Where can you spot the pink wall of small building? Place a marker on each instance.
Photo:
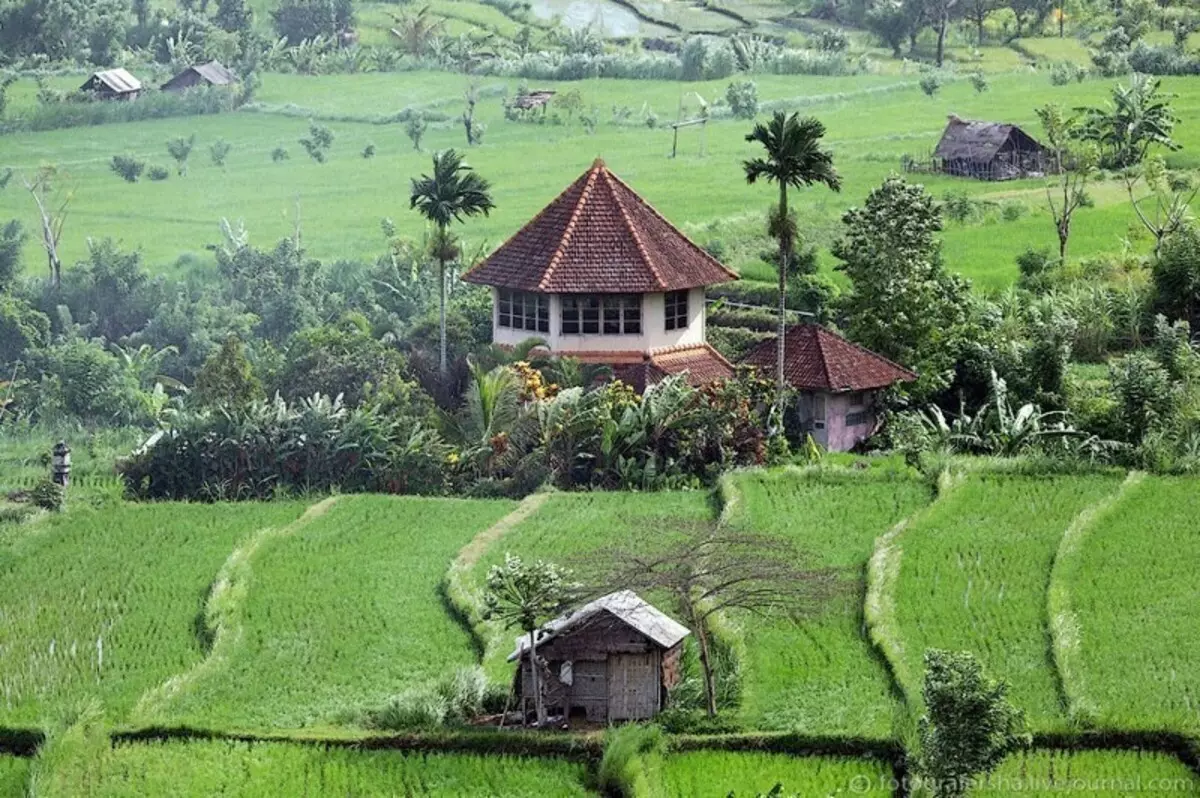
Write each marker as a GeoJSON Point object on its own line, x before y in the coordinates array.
{"type": "Point", "coordinates": [838, 435]}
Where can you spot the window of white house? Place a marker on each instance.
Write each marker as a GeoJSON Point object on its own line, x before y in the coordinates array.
{"type": "Point", "coordinates": [603, 314]}
{"type": "Point", "coordinates": [856, 399]}
{"type": "Point", "coordinates": [856, 419]}
{"type": "Point", "coordinates": [521, 310]}
{"type": "Point", "coordinates": [818, 411]}
{"type": "Point", "coordinates": [676, 307]}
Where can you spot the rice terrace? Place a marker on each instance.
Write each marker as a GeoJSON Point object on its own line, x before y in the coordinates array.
{"type": "Point", "coordinates": [634, 398]}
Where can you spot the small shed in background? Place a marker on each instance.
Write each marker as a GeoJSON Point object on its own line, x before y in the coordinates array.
{"type": "Point", "coordinates": [210, 74]}
{"type": "Point", "coordinates": [988, 151]}
{"type": "Point", "coordinates": [612, 659]}
{"type": "Point", "coordinates": [112, 84]}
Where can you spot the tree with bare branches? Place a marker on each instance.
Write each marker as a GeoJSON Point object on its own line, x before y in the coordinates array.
{"type": "Point", "coordinates": [710, 568]}
{"type": "Point", "coordinates": [52, 203]}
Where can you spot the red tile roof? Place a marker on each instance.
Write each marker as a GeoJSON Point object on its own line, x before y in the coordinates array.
{"type": "Point", "coordinates": [598, 236]}
{"type": "Point", "coordinates": [699, 362]}
{"type": "Point", "coordinates": [816, 359]}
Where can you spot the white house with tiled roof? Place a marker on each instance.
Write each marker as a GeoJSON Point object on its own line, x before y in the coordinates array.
{"type": "Point", "coordinates": [603, 277]}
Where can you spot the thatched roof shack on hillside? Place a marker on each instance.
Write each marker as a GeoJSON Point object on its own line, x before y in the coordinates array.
{"type": "Point", "coordinates": [211, 74]}
{"type": "Point", "coordinates": [988, 151]}
{"type": "Point", "coordinates": [612, 659]}
{"type": "Point", "coordinates": [112, 84]}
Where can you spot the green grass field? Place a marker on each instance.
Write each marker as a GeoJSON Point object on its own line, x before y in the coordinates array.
{"type": "Point", "coordinates": [274, 769]}
{"type": "Point", "coordinates": [716, 774]}
{"type": "Point", "coordinates": [339, 615]}
{"type": "Point", "coordinates": [1133, 592]}
{"type": "Point", "coordinates": [13, 775]}
{"type": "Point", "coordinates": [974, 576]}
{"type": "Point", "coordinates": [820, 675]}
{"type": "Point", "coordinates": [104, 603]}
{"type": "Point", "coordinates": [1102, 774]}
{"type": "Point", "coordinates": [872, 120]}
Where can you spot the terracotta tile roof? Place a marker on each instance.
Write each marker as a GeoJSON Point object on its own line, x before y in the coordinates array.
{"type": "Point", "coordinates": [816, 359]}
{"type": "Point", "coordinates": [702, 363]}
{"type": "Point", "coordinates": [598, 236]}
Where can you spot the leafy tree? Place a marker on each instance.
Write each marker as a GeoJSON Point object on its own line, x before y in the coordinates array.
{"type": "Point", "coordinates": [111, 294]}
{"type": "Point", "coordinates": [452, 192]}
{"type": "Point", "coordinates": [342, 359]}
{"type": "Point", "coordinates": [283, 288]}
{"type": "Point", "coordinates": [23, 330]}
{"type": "Point", "coordinates": [90, 383]}
{"type": "Point", "coordinates": [219, 151]}
{"type": "Point", "coordinates": [977, 13]}
{"type": "Point", "coordinates": [1168, 207]}
{"type": "Point", "coordinates": [526, 596]}
{"type": "Point", "coordinates": [794, 159]}
{"type": "Point", "coordinates": [1144, 393]}
{"type": "Point", "coordinates": [742, 96]}
{"type": "Point", "coordinates": [1030, 14]}
{"type": "Point", "coordinates": [417, 31]}
{"type": "Point", "coordinates": [931, 84]}
{"type": "Point", "coordinates": [902, 303]}
{"type": "Point", "coordinates": [414, 128]}
{"type": "Point", "coordinates": [969, 725]}
{"type": "Point", "coordinates": [234, 16]}
{"type": "Point", "coordinates": [1074, 165]}
{"type": "Point", "coordinates": [12, 237]}
{"type": "Point", "coordinates": [179, 149]}
{"type": "Point", "coordinates": [320, 139]}
{"type": "Point", "coordinates": [227, 378]}
{"type": "Point", "coordinates": [1176, 274]}
{"type": "Point", "coordinates": [129, 168]}
{"type": "Point", "coordinates": [1136, 118]}
{"type": "Point", "coordinates": [301, 20]}
{"type": "Point", "coordinates": [889, 20]}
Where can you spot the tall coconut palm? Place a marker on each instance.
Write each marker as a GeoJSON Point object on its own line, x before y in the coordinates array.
{"type": "Point", "coordinates": [793, 159]}
{"type": "Point", "coordinates": [451, 193]}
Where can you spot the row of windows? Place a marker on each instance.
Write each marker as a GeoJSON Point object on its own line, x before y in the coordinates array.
{"type": "Point", "coordinates": [599, 314]}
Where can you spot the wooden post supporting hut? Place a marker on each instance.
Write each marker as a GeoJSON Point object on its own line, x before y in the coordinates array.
{"type": "Point", "coordinates": [612, 659]}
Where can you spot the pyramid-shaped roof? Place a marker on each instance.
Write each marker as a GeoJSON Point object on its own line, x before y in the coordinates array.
{"type": "Point", "coordinates": [599, 236]}
{"type": "Point", "coordinates": [816, 359]}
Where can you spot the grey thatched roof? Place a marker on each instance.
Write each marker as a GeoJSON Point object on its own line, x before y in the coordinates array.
{"type": "Point", "coordinates": [627, 607]}
{"type": "Point", "coordinates": [118, 80]}
{"type": "Point", "coordinates": [971, 140]}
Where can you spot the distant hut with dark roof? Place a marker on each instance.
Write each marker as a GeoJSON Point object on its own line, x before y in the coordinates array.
{"type": "Point", "coordinates": [988, 151]}
{"type": "Point", "coordinates": [837, 382]}
{"type": "Point", "coordinates": [112, 84]}
{"type": "Point", "coordinates": [210, 74]}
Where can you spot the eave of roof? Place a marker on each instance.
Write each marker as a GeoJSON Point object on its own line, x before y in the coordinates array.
{"type": "Point", "coordinates": [817, 359]}
{"type": "Point", "coordinates": [624, 605]}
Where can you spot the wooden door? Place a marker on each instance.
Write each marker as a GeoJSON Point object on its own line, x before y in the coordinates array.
{"type": "Point", "coordinates": [633, 688]}
{"type": "Point", "coordinates": [589, 688]}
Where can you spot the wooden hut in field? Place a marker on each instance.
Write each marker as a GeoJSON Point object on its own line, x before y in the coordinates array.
{"type": "Point", "coordinates": [112, 84]}
{"type": "Point", "coordinates": [210, 74]}
{"type": "Point", "coordinates": [988, 151]}
{"type": "Point", "coordinates": [612, 659]}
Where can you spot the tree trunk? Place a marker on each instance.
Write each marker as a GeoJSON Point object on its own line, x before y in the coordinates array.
{"type": "Point", "coordinates": [1064, 232]}
{"type": "Point", "coordinates": [1062, 19]}
{"type": "Point", "coordinates": [941, 39]}
{"type": "Point", "coordinates": [785, 247]}
{"type": "Point", "coordinates": [979, 20]}
{"type": "Point", "coordinates": [442, 316]}
{"type": "Point", "coordinates": [538, 707]}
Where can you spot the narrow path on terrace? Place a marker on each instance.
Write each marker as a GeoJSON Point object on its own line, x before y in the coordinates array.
{"type": "Point", "coordinates": [221, 626]}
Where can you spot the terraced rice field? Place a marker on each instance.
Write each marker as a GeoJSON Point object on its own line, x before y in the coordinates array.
{"type": "Point", "coordinates": [1134, 591]}
{"type": "Point", "coordinates": [571, 525]}
{"type": "Point", "coordinates": [13, 775]}
{"type": "Point", "coordinates": [821, 675]}
{"type": "Point", "coordinates": [717, 774]}
{"type": "Point", "coordinates": [266, 770]}
{"type": "Point", "coordinates": [103, 603]}
{"type": "Point", "coordinates": [339, 615]}
{"type": "Point", "coordinates": [974, 576]}
{"type": "Point", "coordinates": [1097, 774]}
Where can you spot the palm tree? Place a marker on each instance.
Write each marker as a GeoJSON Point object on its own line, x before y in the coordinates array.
{"type": "Point", "coordinates": [454, 191]}
{"type": "Point", "coordinates": [794, 158]}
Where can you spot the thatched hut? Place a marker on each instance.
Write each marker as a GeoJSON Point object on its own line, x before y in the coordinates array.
{"type": "Point", "coordinates": [612, 659]}
{"type": "Point", "coordinates": [211, 74]}
{"type": "Point", "coordinates": [988, 151]}
{"type": "Point", "coordinates": [112, 84]}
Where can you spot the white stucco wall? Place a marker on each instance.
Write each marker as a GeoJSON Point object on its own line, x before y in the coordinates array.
{"type": "Point", "coordinates": [654, 334]}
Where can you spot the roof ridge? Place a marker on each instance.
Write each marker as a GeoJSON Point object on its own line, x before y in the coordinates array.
{"type": "Point", "coordinates": [654, 212]}
{"type": "Point", "coordinates": [862, 349]}
{"type": "Point", "coordinates": [633, 231]}
{"type": "Point", "coordinates": [570, 228]}
{"type": "Point", "coordinates": [818, 329]}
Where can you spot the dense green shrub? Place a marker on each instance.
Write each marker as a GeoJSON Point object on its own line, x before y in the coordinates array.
{"type": "Point", "coordinates": [149, 105]}
{"type": "Point", "coordinates": [48, 495]}
{"type": "Point", "coordinates": [128, 167]}
{"type": "Point", "coordinates": [158, 173]}
{"type": "Point", "coordinates": [742, 97]}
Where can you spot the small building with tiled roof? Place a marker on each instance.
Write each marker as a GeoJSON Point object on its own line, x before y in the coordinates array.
{"type": "Point", "coordinates": [601, 276]}
{"type": "Point", "coordinates": [838, 382]}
